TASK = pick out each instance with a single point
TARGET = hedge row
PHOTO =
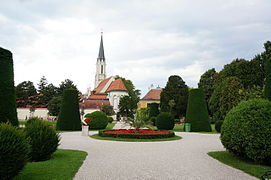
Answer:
(137, 136)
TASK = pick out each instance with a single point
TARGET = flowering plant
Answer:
(86, 121)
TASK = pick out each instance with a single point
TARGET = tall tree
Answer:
(225, 96)
(267, 87)
(176, 90)
(7, 92)
(128, 104)
(25, 92)
(66, 84)
(42, 84)
(207, 82)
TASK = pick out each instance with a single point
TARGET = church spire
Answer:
(101, 50)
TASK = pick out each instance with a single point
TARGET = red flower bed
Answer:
(132, 131)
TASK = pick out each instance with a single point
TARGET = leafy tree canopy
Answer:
(175, 91)
(207, 82)
(108, 110)
(66, 84)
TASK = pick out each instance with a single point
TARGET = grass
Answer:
(179, 128)
(247, 166)
(96, 136)
(62, 166)
(46, 122)
(108, 127)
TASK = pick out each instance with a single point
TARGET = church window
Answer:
(102, 69)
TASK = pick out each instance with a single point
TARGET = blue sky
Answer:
(145, 41)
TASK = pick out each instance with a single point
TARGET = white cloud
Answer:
(145, 41)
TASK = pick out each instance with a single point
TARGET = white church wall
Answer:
(24, 113)
(114, 98)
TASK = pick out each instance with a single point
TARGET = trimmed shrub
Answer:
(14, 150)
(267, 87)
(136, 136)
(197, 113)
(99, 120)
(8, 111)
(246, 130)
(165, 121)
(110, 119)
(153, 120)
(153, 110)
(69, 116)
(43, 140)
(218, 125)
(31, 120)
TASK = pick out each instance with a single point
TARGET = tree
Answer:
(153, 110)
(47, 93)
(225, 96)
(176, 90)
(267, 87)
(126, 107)
(108, 110)
(207, 82)
(69, 116)
(54, 105)
(66, 84)
(8, 111)
(26, 94)
(42, 84)
(142, 114)
(197, 114)
(128, 104)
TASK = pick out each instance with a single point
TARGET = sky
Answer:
(145, 41)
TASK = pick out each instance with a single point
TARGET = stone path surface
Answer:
(184, 159)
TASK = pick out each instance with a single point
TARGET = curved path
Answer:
(182, 159)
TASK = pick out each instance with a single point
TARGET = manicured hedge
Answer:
(153, 110)
(246, 130)
(136, 136)
(14, 150)
(43, 140)
(165, 121)
(197, 113)
(8, 111)
(69, 116)
(267, 87)
(99, 120)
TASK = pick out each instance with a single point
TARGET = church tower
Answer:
(100, 64)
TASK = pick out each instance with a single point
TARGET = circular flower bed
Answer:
(141, 134)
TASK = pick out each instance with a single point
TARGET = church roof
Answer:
(94, 104)
(117, 85)
(101, 50)
(101, 85)
(153, 94)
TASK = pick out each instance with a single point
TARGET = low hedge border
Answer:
(136, 136)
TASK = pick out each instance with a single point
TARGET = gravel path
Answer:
(183, 159)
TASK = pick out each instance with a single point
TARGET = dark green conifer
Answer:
(197, 114)
(69, 116)
(8, 111)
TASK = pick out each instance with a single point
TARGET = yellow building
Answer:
(153, 96)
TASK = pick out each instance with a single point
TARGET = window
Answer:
(102, 69)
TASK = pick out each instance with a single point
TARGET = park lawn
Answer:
(179, 128)
(96, 136)
(46, 122)
(63, 165)
(232, 160)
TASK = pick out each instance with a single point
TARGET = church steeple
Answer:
(100, 65)
(101, 50)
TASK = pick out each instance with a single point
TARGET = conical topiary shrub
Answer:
(69, 116)
(267, 87)
(8, 111)
(197, 114)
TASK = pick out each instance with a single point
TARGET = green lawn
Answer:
(96, 136)
(63, 166)
(232, 160)
(179, 128)
(46, 122)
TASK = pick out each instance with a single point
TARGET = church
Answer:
(107, 90)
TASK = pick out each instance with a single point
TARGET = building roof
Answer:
(117, 85)
(153, 94)
(94, 104)
(101, 85)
